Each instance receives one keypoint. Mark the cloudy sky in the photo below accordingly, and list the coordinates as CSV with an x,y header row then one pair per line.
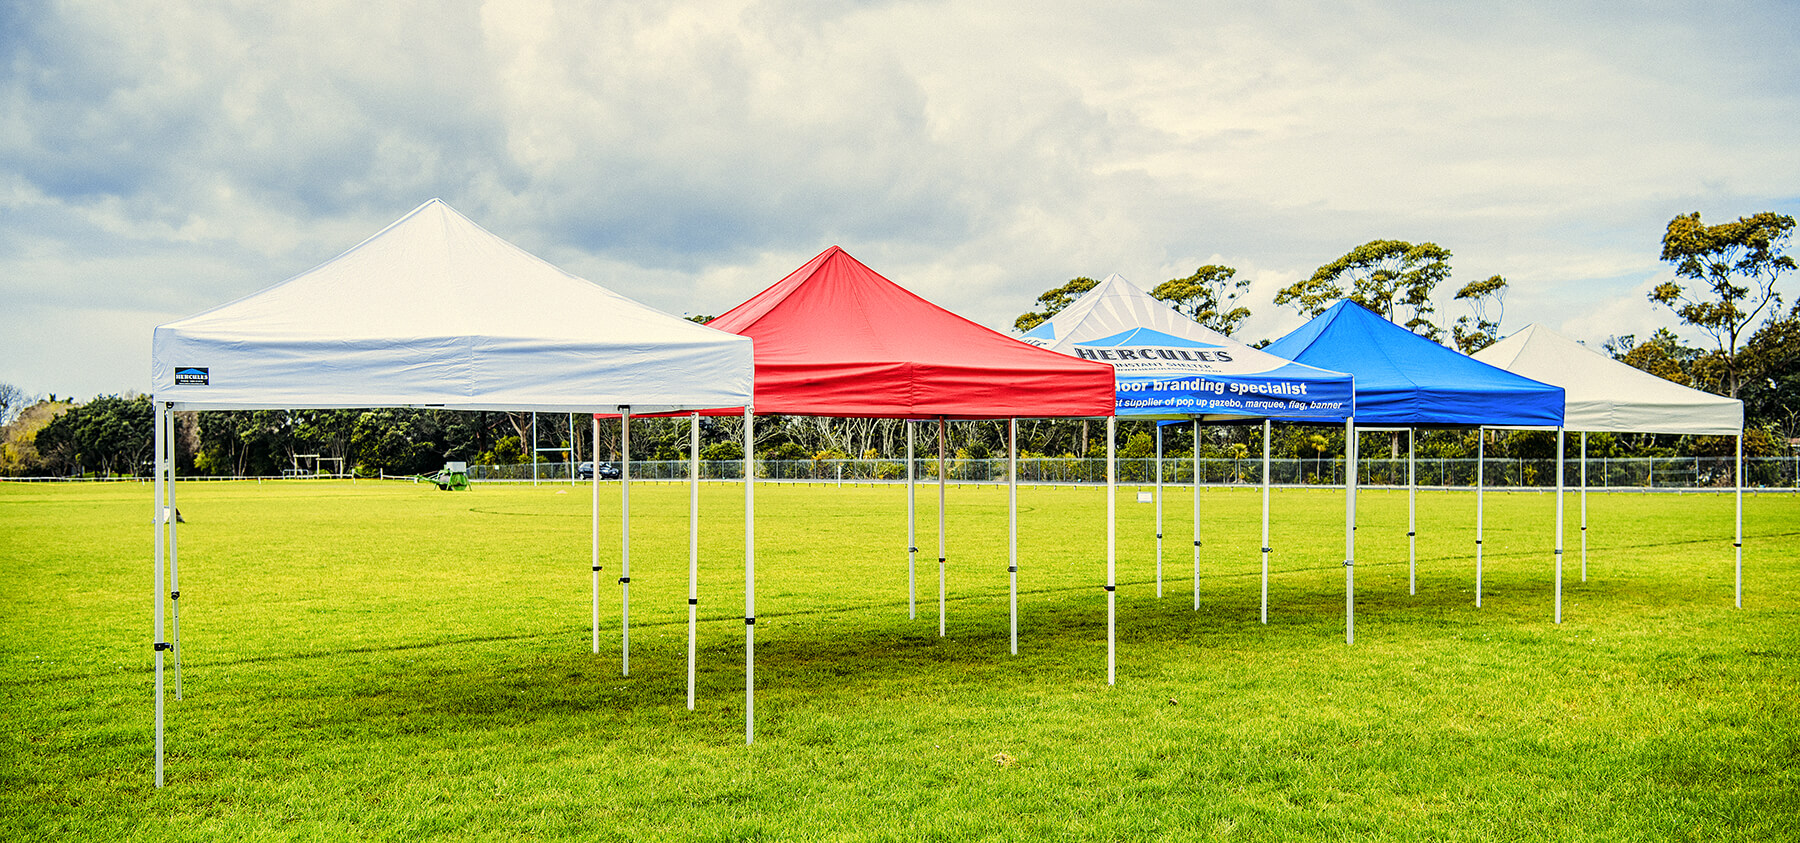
x,y
159,158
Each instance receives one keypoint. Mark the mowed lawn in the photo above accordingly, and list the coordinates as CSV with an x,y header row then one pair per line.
x,y
387,661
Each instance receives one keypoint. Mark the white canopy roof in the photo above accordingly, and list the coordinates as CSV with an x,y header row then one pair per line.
x,y
435,311
1603,394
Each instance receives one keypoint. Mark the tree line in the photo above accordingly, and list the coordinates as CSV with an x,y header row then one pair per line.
x,y
1725,286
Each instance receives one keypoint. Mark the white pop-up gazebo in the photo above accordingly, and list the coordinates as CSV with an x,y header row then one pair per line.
x,y
1603,395
436,312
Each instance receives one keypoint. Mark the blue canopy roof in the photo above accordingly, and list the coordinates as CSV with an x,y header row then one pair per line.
x,y
1405,379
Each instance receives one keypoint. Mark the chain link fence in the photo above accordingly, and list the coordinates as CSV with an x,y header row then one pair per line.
x,y
1602,472
1774,473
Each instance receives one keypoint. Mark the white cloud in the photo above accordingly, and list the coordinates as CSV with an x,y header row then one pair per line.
x,y
160,158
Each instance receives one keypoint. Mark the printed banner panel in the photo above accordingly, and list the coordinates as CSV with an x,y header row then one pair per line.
x,y
1197,395
1159,374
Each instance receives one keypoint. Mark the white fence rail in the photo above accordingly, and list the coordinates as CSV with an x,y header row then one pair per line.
x,y
1639,472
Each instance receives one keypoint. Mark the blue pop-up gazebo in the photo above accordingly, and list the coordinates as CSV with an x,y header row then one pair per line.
x,y
1406,380
1403,379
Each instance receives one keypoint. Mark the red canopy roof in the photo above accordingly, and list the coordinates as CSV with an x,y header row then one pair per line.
x,y
834,338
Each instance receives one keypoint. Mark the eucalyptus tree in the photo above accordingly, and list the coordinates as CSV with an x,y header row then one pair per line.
x,y
1391,277
1210,296
1734,268
12,400
1472,335
1052,302
1770,365
1661,355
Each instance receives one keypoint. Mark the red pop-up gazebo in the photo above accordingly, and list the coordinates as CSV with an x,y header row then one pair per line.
x,y
835,338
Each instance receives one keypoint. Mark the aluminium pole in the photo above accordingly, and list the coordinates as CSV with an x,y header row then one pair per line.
x,y
1012,520
1111,546
533,454
1737,542
1412,511
941,589
1584,506
1196,514
174,552
1480,468
1350,530
912,541
1559,521
693,549
1159,523
1265,523
594,533
624,539
749,577
572,450
158,518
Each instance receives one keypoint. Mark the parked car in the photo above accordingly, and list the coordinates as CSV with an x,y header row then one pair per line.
x,y
608,471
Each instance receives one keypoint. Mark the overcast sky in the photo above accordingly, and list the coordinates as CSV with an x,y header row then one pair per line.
x,y
159,158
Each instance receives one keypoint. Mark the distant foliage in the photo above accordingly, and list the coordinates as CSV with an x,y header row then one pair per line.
x,y
104,437
19,455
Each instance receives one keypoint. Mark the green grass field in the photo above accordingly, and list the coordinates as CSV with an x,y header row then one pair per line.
x,y
387,661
